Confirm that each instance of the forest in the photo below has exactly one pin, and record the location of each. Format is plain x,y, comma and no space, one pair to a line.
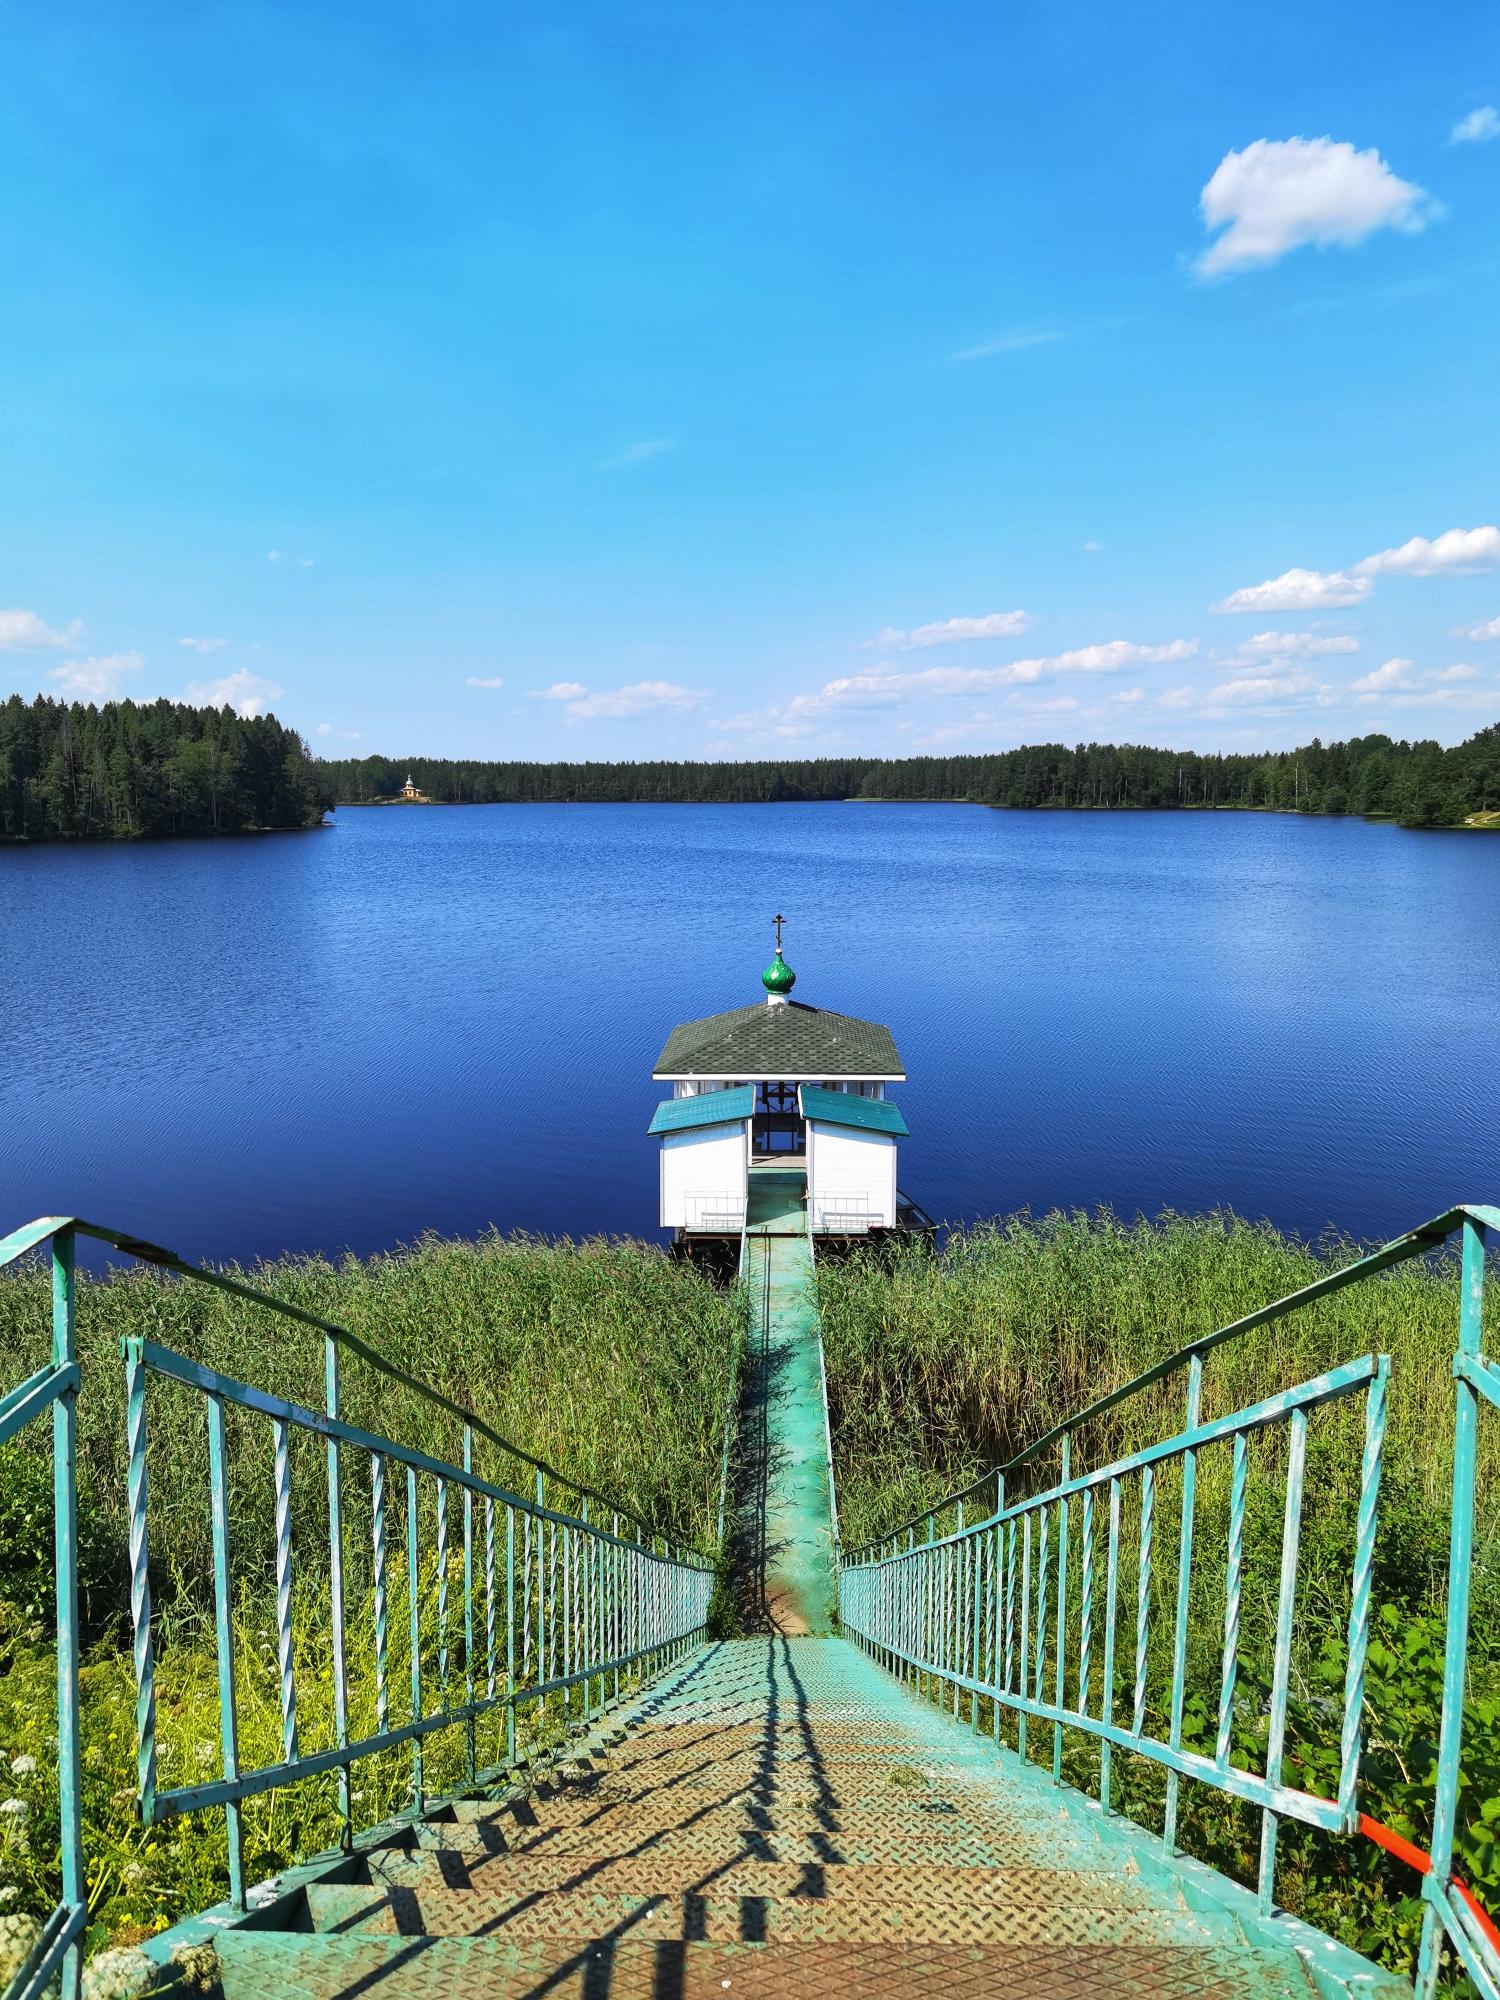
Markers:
131,770
1419,784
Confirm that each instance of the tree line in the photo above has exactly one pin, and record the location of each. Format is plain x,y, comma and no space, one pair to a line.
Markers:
1419,784
133,770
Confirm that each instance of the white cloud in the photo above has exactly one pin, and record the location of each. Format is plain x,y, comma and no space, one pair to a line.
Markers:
1299,590
1117,653
1007,343
1126,696
1478,128
1279,194
1256,688
883,687
641,698
1183,697
281,556
636,454
246,693
97,679
1487,628
1293,646
484,681
1392,674
1460,671
1092,548
560,691
24,632
204,645
953,631
344,735
1459,551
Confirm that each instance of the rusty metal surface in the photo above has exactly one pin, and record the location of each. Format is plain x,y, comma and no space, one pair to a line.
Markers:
781,1820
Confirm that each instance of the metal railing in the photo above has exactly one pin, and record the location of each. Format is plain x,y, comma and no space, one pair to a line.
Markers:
526,1602
996,1611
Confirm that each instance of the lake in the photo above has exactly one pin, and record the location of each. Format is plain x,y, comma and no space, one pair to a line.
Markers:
441,1018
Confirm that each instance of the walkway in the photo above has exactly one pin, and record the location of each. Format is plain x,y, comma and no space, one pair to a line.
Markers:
779,1818
783,1545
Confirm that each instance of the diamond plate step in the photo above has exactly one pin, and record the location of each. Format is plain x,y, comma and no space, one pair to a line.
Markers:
258,1966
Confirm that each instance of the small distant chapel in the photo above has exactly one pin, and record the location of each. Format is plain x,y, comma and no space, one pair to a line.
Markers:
779,1096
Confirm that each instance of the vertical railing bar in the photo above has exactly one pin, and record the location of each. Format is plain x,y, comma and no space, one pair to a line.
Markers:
65,1563
1184,1590
1233,1592
1044,1530
442,1591
1025,1661
510,1636
336,1591
1086,1604
1359,1595
1281,1670
1111,1609
1460,1566
140,1577
470,1748
282,1433
415,1623
1143,1599
382,1641
1062,1606
218,1486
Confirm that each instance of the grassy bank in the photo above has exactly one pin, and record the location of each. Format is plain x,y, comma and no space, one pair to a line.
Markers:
942,1363
604,1358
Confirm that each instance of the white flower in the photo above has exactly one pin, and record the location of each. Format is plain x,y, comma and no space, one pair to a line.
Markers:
8,1895
23,1766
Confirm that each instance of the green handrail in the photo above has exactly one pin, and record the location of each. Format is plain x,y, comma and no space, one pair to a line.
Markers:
582,1603
941,1611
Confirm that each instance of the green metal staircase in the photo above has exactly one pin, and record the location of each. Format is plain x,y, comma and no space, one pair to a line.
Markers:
791,1812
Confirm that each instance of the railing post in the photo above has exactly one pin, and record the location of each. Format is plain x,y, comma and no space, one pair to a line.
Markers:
336,1588
1233,1591
1460,1560
65,1555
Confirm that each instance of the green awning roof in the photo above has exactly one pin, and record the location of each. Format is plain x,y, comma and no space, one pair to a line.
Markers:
840,1107
715,1107
776,1043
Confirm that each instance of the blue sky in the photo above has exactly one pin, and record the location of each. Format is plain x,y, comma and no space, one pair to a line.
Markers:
670,380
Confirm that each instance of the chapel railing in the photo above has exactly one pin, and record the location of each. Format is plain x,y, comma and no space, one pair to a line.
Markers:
567,1604
991,1611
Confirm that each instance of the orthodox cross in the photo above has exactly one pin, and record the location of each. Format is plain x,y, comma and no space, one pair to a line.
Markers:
778,920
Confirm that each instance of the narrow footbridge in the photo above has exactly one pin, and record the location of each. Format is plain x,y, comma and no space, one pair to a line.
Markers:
928,1768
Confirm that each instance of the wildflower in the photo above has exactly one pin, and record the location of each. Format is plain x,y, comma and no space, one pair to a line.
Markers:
8,1895
23,1766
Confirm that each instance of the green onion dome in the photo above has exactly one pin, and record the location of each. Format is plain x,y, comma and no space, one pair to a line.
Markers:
778,976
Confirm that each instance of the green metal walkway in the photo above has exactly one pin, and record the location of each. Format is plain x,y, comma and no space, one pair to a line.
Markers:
843,1803
780,1817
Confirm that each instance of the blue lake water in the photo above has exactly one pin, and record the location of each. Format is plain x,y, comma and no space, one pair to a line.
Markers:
444,1018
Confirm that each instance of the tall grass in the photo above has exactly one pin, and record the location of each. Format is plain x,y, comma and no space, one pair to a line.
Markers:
944,1362
606,1359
